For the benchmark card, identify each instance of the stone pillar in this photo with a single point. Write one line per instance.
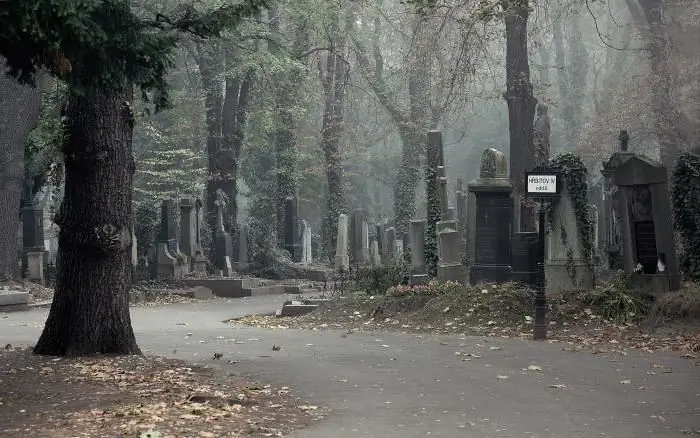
(358, 248)
(342, 260)
(374, 253)
(417, 239)
(187, 227)
(291, 228)
(306, 257)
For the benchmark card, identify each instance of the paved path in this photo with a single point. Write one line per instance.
(380, 385)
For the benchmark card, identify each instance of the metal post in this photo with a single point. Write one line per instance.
(540, 329)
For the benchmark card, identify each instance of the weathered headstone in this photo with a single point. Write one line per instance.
(33, 241)
(359, 245)
(566, 268)
(381, 246)
(242, 249)
(189, 233)
(291, 228)
(223, 243)
(462, 196)
(493, 216)
(417, 240)
(374, 253)
(397, 253)
(450, 266)
(170, 262)
(306, 257)
(644, 210)
(389, 239)
(342, 260)
(35, 267)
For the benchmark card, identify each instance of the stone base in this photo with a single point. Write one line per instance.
(526, 278)
(198, 293)
(451, 272)
(13, 298)
(489, 274)
(418, 279)
(558, 279)
(199, 263)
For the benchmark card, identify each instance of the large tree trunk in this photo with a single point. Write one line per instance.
(90, 310)
(284, 139)
(331, 132)
(578, 76)
(19, 113)
(521, 103)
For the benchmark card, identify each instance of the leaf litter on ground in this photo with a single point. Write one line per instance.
(503, 311)
(131, 396)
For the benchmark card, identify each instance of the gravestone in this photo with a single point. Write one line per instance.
(342, 260)
(190, 240)
(417, 241)
(291, 228)
(169, 261)
(397, 252)
(450, 267)
(33, 241)
(389, 238)
(566, 268)
(374, 253)
(223, 244)
(359, 245)
(644, 209)
(381, 245)
(524, 256)
(306, 257)
(442, 192)
(493, 219)
(242, 249)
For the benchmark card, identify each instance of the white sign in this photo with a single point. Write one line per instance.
(542, 184)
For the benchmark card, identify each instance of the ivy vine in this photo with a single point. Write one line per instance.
(685, 192)
(575, 177)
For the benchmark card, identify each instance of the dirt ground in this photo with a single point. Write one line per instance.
(137, 397)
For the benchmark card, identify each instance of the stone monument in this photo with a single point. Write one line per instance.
(493, 220)
(643, 213)
(417, 241)
(342, 260)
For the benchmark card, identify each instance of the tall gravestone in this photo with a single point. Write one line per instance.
(306, 257)
(381, 246)
(566, 268)
(242, 249)
(417, 241)
(493, 220)
(34, 255)
(643, 213)
(170, 262)
(342, 260)
(190, 243)
(461, 196)
(291, 228)
(223, 245)
(359, 242)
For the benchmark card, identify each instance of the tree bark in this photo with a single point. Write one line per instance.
(226, 117)
(331, 132)
(90, 311)
(19, 112)
(521, 102)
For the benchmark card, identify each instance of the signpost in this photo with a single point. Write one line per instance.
(541, 186)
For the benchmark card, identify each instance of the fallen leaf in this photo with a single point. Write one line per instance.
(557, 386)
(625, 382)
(501, 377)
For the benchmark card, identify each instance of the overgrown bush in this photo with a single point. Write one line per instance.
(617, 300)
(683, 305)
(377, 280)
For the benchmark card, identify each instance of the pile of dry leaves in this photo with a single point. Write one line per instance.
(137, 396)
(500, 311)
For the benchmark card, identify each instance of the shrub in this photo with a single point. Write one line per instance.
(378, 279)
(617, 301)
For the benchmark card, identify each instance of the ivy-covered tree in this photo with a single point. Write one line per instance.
(102, 49)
